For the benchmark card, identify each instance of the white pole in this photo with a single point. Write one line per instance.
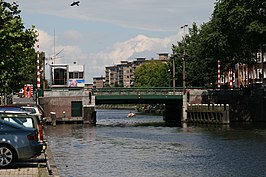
(38, 69)
(219, 75)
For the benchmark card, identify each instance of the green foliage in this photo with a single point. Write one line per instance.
(242, 25)
(17, 56)
(233, 35)
(152, 74)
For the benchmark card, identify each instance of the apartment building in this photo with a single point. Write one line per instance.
(121, 69)
(122, 74)
(163, 57)
(98, 82)
(111, 76)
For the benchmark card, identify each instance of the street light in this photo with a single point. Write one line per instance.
(184, 78)
(184, 64)
(174, 73)
(169, 78)
(174, 76)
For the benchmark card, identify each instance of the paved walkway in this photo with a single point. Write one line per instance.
(22, 172)
(32, 168)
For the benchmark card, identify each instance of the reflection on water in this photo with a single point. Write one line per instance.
(116, 148)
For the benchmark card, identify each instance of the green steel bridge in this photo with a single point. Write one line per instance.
(137, 95)
(172, 98)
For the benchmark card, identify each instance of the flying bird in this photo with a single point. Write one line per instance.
(75, 3)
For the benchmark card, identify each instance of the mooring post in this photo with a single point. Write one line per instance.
(53, 117)
(89, 116)
(226, 116)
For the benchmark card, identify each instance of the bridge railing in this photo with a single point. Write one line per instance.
(138, 91)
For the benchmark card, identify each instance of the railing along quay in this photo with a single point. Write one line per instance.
(138, 91)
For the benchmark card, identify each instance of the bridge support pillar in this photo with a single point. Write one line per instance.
(89, 116)
(173, 112)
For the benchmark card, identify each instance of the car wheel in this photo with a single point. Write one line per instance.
(7, 156)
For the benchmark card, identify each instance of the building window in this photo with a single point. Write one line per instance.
(259, 75)
(258, 58)
(76, 75)
(70, 75)
(80, 75)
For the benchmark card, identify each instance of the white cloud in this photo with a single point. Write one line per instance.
(125, 50)
(45, 41)
(48, 44)
(96, 62)
(88, 34)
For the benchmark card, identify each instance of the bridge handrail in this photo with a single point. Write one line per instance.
(138, 91)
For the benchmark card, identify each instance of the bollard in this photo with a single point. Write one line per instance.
(44, 121)
(93, 118)
(53, 117)
(89, 116)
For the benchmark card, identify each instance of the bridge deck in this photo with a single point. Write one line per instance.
(137, 95)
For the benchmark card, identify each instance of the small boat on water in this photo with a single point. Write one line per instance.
(131, 114)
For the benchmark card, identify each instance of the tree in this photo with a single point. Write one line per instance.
(153, 73)
(17, 56)
(233, 35)
(200, 67)
(241, 26)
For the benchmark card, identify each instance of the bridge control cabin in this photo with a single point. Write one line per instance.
(65, 75)
(65, 95)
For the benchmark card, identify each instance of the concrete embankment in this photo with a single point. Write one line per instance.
(51, 169)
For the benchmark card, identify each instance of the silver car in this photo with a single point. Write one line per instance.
(17, 143)
(34, 110)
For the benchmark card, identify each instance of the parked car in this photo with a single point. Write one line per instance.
(34, 110)
(9, 108)
(25, 119)
(17, 142)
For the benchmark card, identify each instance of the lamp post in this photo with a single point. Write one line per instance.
(173, 76)
(261, 59)
(169, 77)
(184, 64)
(174, 73)
(184, 78)
(262, 12)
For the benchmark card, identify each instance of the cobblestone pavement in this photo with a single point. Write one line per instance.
(32, 168)
(22, 172)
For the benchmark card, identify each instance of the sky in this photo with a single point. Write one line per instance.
(100, 33)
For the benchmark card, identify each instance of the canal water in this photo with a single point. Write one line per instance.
(117, 148)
